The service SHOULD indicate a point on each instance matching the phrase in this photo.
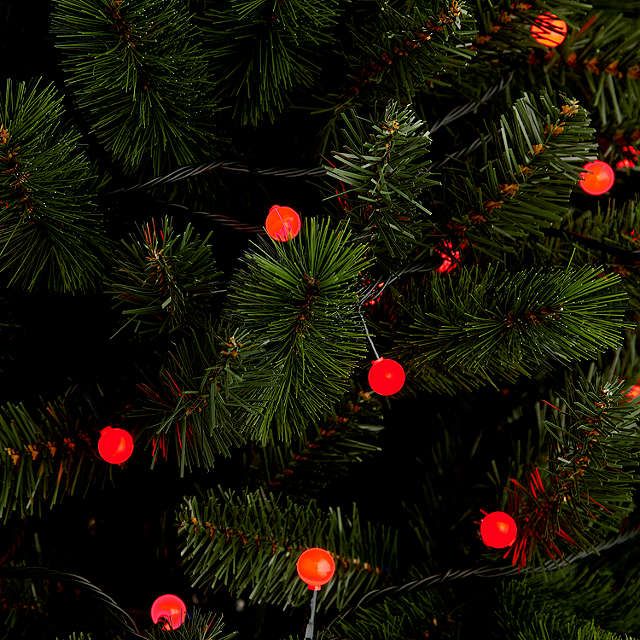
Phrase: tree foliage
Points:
(249, 542)
(138, 72)
(261, 50)
(46, 454)
(50, 232)
(479, 326)
(299, 301)
(163, 279)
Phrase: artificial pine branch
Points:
(299, 302)
(50, 232)
(606, 236)
(261, 50)
(547, 628)
(196, 412)
(598, 61)
(45, 456)
(587, 483)
(605, 590)
(140, 77)
(250, 541)
(417, 614)
(530, 165)
(104, 602)
(325, 456)
(198, 626)
(164, 280)
(383, 174)
(400, 47)
(480, 326)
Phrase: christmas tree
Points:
(337, 293)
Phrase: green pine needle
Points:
(250, 542)
(164, 280)
(480, 327)
(139, 75)
(45, 456)
(299, 302)
(50, 232)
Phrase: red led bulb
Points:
(115, 445)
(625, 163)
(450, 257)
(283, 223)
(168, 610)
(597, 178)
(315, 567)
(386, 376)
(549, 30)
(498, 530)
(633, 392)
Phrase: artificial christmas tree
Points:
(413, 387)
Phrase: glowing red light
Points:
(315, 567)
(450, 257)
(625, 164)
(386, 376)
(498, 530)
(283, 223)
(633, 392)
(549, 30)
(597, 178)
(168, 610)
(115, 445)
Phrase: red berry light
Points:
(625, 163)
(498, 530)
(168, 610)
(115, 445)
(597, 178)
(450, 257)
(283, 223)
(633, 392)
(386, 376)
(549, 30)
(315, 567)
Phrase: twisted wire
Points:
(183, 173)
(222, 219)
(486, 571)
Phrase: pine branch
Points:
(45, 455)
(604, 590)
(598, 61)
(263, 49)
(327, 454)
(406, 46)
(383, 172)
(196, 412)
(164, 280)
(606, 236)
(479, 327)
(139, 75)
(538, 152)
(250, 543)
(299, 302)
(601, 61)
(198, 626)
(412, 615)
(50, 232)
(547, 628)
(106, 604)
(587, 484)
